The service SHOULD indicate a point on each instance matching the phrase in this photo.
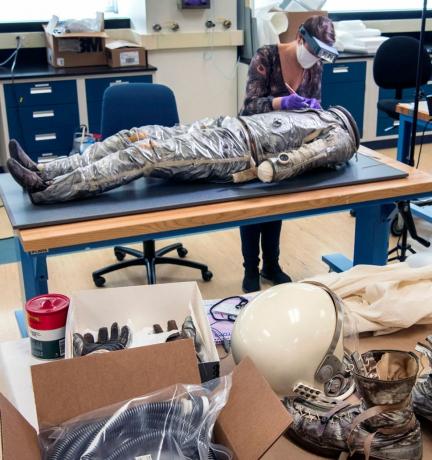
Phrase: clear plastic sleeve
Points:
(174, 423)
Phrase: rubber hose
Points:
(68, 447)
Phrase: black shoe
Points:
(17, 153)
(251, 281)
(275, 274)
(29, 180)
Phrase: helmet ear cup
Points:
(329, 367)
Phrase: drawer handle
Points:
(341, 69)
(45, 137)
(43, 114)
(118, 82)
(41, 88)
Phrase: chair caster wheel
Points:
(396, 227)
(119, 255)
(99, 281)
(207, 275)
(182, 252)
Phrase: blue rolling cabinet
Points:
(95, 88)
(42, 115)
(344, 84)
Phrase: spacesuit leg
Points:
(121, 140)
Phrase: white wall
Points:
(203, 79)
(145, 13)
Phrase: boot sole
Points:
(327, 452)
(311, 447)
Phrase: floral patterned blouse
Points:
(265, 81)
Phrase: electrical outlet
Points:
(21, 38)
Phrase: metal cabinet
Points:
(95, 88)
(344, 84)
(42, 115)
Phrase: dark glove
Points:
(171, 326)
(293, 102)
(313, 103)
(86, 345)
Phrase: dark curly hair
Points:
(322, 28)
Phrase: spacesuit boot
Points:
(387, 427)
(383, 426)
(422, 391)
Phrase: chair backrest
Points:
(129, 105)
(395, 64)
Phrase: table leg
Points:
(34, 273)
(403, 145)
(372, 231)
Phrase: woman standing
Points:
(281, 77)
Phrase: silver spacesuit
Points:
(271, 146)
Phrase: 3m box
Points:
(295, 20)
(251, 422)
(76, 49)
(121, 53)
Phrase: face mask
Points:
(305, 58)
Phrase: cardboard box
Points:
(295, 20)
(75, 49)
(121, 53)
(250, 423)
(140, 307)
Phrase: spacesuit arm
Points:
(330, 149)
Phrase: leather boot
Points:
(273, 272)
(320, 427)
(387, 427)
(29, 180)
(422, 392)
(383, 426)
(17, 153)
(251, 279)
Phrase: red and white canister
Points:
(46, 319)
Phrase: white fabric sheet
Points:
(385, 299)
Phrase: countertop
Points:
(44, 70)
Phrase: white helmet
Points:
(293, 334)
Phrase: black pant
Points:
(250, 239)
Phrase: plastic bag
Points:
(174, 423)
(76, 25)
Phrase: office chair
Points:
(138, 104)
(395, 67)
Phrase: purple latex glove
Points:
(293, 102)
(313, 103)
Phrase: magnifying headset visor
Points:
(317, 47)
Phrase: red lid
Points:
(47, 303)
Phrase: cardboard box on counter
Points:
(75, 49)
(295, 20)
(140, 307)
(121, 53)
(249, 425)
